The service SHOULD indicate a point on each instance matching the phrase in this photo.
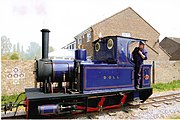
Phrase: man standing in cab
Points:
(139, 55)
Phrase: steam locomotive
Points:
(81, 85)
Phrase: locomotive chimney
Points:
(45, 43)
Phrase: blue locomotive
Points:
(81, 85)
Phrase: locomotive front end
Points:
(53, 75)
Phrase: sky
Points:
(22, 20)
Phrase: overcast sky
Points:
(22, 20)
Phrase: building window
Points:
(125, 34)
(72, 46)
(79, 41)
(88, 36)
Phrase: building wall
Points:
(87, 44)
(162, 56)
(16, 76)
(165, 71)
(127, 21)
(152, 55)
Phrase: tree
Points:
(5, 45)
(18, 48)
(33, 51)
(5, 57)
(5, 48)
(22, 53)
(14, 56)
(14, 48)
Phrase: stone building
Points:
(172, 46)
(124, 23)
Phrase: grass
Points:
(11, 98)
(160, 87)
(176, 116)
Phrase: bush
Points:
(5, 56)
(14, 56)
(11, 98)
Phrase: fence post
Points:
(153, 72)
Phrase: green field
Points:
(160, 87)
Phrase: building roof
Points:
(73, 42)
(175, 39)
(152, 48)
(164, 51)
(172, 46)
(67, 53)
(176, 55)
(129, 8)
(82, 33)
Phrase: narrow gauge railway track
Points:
(150, 101)
(10, 115)
(157, 100)
(163, 96)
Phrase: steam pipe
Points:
(45, 43)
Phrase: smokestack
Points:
(45, 43)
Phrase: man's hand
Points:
(141, 54)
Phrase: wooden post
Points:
(153, 72)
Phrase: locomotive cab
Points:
(117, 50)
